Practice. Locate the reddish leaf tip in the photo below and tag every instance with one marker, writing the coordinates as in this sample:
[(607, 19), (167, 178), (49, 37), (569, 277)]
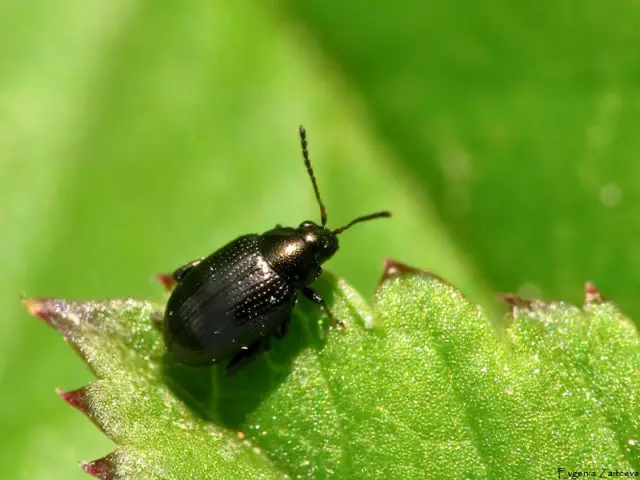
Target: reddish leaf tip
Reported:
[(515, 302), (394, 269), (100, 468), (76, 398), (592, 294), (80, 400), (37, 308), (167, 281)]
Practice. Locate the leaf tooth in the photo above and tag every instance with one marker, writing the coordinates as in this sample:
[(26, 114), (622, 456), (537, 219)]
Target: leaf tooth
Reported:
[(515, 302), (394, 269), (78, 399), (63, 315), (592, 295), (167, 281), (41, 308), (101, 468)]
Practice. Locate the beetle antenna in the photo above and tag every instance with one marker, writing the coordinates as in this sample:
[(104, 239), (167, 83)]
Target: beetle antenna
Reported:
[(372, 216), (307, 162)]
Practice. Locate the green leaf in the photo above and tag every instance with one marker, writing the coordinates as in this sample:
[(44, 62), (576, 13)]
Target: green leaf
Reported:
[(160, 436), (418, 383)]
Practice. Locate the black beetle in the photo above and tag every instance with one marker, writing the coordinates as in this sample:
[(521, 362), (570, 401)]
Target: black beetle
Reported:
[(228, 305)]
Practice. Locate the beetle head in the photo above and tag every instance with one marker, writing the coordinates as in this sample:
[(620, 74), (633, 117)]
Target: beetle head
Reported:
[(322, 241)]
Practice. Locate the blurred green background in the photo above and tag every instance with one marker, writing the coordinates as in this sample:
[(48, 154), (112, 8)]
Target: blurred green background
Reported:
[(138, 135)]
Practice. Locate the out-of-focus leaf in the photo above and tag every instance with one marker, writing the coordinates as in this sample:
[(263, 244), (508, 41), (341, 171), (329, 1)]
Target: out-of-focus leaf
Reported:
[(517, 119)]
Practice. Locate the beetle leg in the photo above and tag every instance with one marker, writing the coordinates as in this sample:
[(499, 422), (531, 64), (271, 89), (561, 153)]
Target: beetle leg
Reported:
[(282, 329), (243, 357), (182, 271), (316, 298)]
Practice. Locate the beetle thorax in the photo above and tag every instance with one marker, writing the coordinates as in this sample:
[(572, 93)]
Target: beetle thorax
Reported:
[(298, 253)]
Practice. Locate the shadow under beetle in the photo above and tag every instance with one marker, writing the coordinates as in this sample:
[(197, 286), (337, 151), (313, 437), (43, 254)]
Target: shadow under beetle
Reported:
[(228, 305)]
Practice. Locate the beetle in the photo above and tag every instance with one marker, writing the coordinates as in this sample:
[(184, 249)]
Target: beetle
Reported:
[(228, 305)]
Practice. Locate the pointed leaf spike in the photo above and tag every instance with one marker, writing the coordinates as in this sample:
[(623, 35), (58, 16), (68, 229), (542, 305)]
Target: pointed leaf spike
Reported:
[(393, 269), (38, 308), (514, 301), (100, 468), (76, 398), (167, 281), (592, 295)]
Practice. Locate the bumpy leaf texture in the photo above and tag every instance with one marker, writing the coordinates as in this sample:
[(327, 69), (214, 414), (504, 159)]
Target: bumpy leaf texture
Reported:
[(419, 386)]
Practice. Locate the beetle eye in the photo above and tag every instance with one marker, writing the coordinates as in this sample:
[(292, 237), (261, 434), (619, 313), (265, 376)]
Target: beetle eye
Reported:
[(307, 224)]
